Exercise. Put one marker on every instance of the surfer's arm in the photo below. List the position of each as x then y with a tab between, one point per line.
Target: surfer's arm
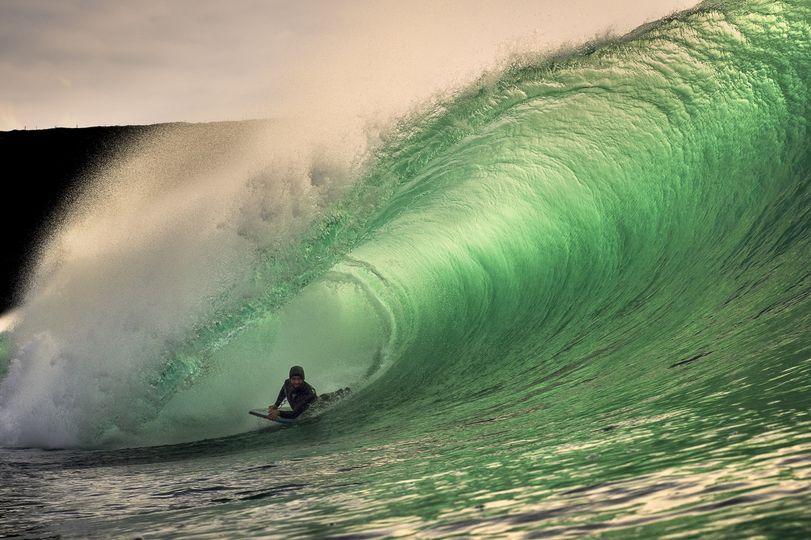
298	409
280	398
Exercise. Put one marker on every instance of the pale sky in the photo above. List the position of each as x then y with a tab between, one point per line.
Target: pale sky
94	62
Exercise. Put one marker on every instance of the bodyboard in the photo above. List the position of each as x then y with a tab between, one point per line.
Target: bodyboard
263	413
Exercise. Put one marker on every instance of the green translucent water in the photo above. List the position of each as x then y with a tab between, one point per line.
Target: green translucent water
585	287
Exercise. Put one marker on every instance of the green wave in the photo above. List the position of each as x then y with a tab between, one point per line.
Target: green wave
624	222
572	300
631	209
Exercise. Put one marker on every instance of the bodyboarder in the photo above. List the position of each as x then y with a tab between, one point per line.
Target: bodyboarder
299	394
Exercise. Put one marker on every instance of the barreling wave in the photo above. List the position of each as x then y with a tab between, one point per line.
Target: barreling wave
582	227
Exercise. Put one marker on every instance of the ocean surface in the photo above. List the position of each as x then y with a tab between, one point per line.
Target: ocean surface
571	299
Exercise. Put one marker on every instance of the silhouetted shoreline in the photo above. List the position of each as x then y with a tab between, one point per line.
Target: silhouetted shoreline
41	167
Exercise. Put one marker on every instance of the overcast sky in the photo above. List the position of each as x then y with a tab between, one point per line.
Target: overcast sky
94	62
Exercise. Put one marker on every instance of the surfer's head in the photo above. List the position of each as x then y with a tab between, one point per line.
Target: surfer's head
296	376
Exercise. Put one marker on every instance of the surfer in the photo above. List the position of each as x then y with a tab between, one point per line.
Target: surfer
298	394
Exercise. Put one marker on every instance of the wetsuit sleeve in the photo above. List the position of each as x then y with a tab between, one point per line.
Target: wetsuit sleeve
299	408
280	398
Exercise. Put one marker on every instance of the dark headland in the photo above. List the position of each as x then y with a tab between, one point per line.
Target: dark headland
41	168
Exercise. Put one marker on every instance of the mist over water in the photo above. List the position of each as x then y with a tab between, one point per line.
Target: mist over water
570	298
158	244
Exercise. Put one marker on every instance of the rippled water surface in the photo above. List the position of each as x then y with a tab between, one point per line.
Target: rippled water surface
728	462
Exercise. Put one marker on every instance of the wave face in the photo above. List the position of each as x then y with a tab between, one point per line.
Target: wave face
586	269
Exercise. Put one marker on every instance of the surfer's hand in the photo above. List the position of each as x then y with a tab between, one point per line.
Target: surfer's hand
273	413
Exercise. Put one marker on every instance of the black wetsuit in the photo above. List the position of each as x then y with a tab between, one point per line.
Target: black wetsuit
299	398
